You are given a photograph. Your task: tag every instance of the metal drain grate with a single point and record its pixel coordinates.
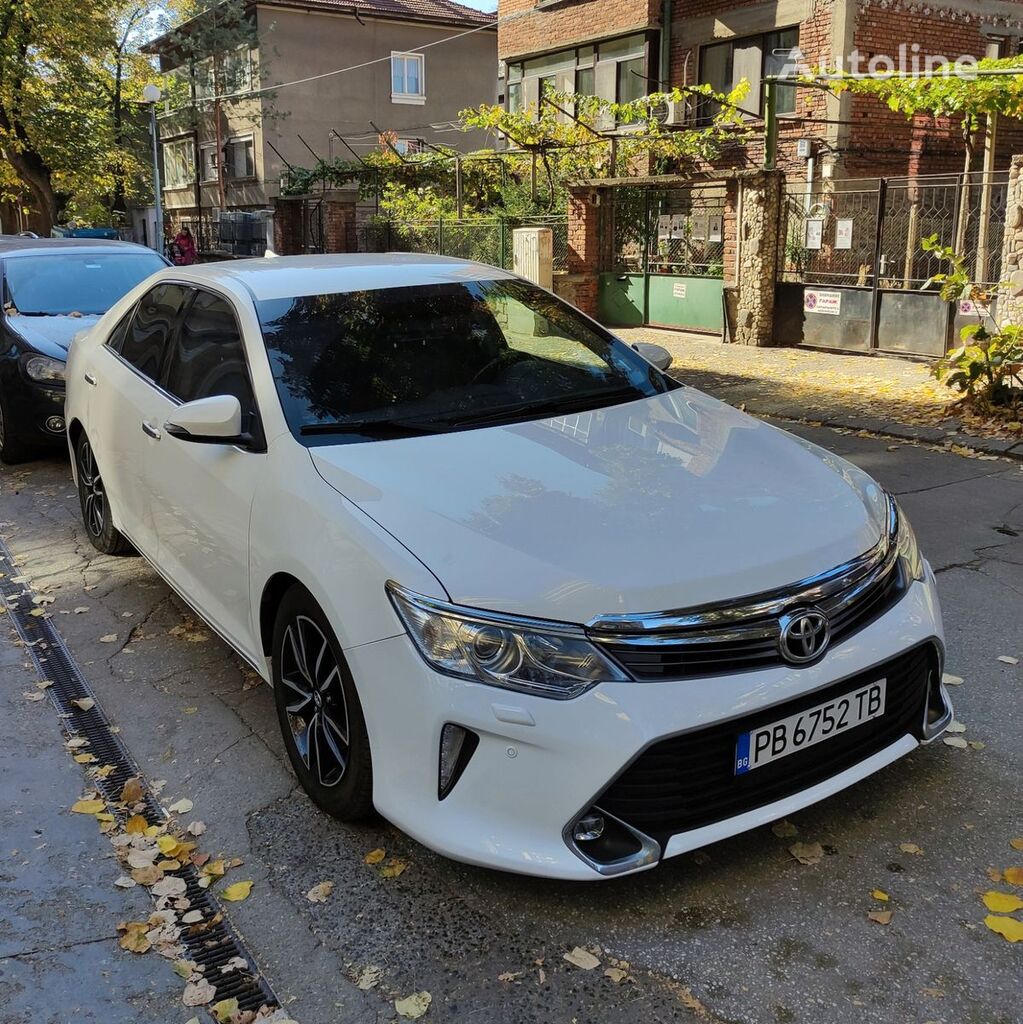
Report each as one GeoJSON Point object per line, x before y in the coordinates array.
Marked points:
{"type": "Point", "coordinates": [216, 945]}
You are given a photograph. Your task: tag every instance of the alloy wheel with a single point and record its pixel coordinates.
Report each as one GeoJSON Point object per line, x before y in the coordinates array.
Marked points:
{"type": "Point", "coordinates": [94, 499]}
{"type": "Point", "coordinates": [316, 706]}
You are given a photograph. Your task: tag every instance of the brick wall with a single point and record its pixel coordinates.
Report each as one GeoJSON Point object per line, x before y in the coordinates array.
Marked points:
{"type": "Point", "coordinates": [338, 225]}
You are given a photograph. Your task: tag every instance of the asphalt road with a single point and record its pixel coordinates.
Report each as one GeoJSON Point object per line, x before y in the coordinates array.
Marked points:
{"type": "Point", "coordinates": [738, 932]}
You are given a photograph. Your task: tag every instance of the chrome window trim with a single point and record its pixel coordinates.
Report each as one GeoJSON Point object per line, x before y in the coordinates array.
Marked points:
{"type": "Point", "coordinates": [832, 591]}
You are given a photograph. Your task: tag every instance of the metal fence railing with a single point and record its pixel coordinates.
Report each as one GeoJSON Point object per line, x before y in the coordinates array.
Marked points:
{"type": "Point", "coordinates": [836, 238]}
{"type": "Point", "coordinates": [484, 241]}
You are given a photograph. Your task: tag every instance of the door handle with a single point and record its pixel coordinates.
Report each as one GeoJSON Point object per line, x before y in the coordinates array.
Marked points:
{"type": "Point", "coordinates": [148, 428]}
{"type": "Point", "coordinates": [90, 379]}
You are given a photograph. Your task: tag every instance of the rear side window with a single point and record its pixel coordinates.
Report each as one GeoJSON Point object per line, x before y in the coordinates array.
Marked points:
{"type": "Point", "coordinates": [146, 339]}
{"type": "Point", "coordinates": [207, 356]}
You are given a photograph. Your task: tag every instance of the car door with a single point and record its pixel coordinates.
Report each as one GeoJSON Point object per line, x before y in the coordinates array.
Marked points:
{"type": "Point", "coordinates": [203, 492]}
{"type": "Point", "coordinates": [126, 404]}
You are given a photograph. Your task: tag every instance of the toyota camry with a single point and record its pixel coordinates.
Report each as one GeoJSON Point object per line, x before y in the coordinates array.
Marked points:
{"type": "Point", "coordinates": [538, 603]}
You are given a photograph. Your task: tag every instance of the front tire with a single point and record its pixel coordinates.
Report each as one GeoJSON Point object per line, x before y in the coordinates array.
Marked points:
{"type": "Point", "coordinates": [12, 448]}
{"type": "Point", "coordinates": [92, 497]}
{"type": "Point", "coordinates": [319, 711]}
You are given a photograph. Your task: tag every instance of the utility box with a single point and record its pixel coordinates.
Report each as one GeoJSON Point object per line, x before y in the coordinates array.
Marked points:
{"type": "Point", "coordinates": [533, 255]}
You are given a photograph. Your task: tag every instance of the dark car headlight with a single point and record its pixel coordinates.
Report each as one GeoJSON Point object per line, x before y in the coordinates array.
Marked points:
{"type": "Point", "coordinates": [44, 370]}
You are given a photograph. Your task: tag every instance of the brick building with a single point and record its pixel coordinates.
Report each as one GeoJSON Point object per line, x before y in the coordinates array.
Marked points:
{"type": "Point", "coordinates": [620, 49]}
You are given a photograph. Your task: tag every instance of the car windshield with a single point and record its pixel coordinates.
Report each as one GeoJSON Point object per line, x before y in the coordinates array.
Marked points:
{"type": "Point", "coordinates": [59, 283]}
{"type": "Point", "coordinates": [396, 362]}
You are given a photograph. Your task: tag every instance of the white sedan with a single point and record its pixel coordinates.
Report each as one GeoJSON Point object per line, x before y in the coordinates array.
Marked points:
{"type": "Point", "coordinates": [539, 604]}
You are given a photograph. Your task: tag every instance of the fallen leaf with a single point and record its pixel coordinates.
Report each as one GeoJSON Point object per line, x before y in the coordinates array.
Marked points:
{"type": "Point", "coordinates": [85, 758]}
{"type": "Point", "coordinates": [393, 868]}
{"type": "Point", "coordinates": [880, 916]}
{"type": "Point", "coordinates": [784, 830]}
{"type": "Point", "coordinates": [34, 695]}
{"type": "Point", "coordinates": [190, 711]}
{"type": "Point", "coordinates": [111, 638]}
{"type": "Point", "coordinates": [105, 770]}
{"type": "Point", "coordinates": [369, 977]}
{"type": "Point", "coordinates": [950, 680]}
{"type": "Point", "coordinates": [236, 963]}
{"type": "Point", "coordinates": [136, 825]}
{"type": "Point", "coordinates": [184, 968]}
{"type": "Point", "coordinates": [125, 882]}
{"type": "Point", "coordinates": [1002, 902]}
{"type": "Point", "coordinates": [81, 609]}
{"type": "Point", "coordinates": [956, 727]}
{"type": "Point", "coordinates": [414, 1006]}
{"type": "Point", "coordinates": [198, 993]}
{"type": "Point", "coordinates": [616, 974]}
{"type": "Point", "coordinates": [149, 874]}
{"type": "Point", "coordinates": [135, 939]}
{"type": "Point", "coordinates": [1005, 659]}
{"type": "Point", "coordinates": [214, 869]}
{"type": "Point", "coordinates": [169, 885]}
{"type": "Point", "coordinates": [510, 975]}
{"type": "Point", "coordinates": [319, 893]}
{"type": "Point", "coordinates": [84, 703]}
{"type": "Point", "coordinates": [88, 806]}
{"type": "Point", "coordinates": [192, 917]}
{"type": "Point", "coordinates": [224, 1009]}
{"type": "Point", "coordinates": [44, 684]}
{"type": "Point", "coordinates": [237, 892]}
{"type": "Point", "coordinates": [131, 791]}
{"type": "Point", "coordinates": [183, 806]}
{"type": "Point", "coordinates": [995, 875]}
{"type": "Point", "coordinates": [1014, 876]}
{"type": "Point", "coordinates": [1016, 844]}
{"type": "Point", "coordinates": [196, 828]}
{"type": "Point", "coordinates": [807, 853]}
{"type": "Point", "coordinates": [583, 958]}
{"type": "Point", "coordinates": [375, 856]}
{"type": "Point", "coordinates": [880, 894]}
{"type": "Point", "coordinates": [76, 743]}
{"type": "Point", "coordinates": [955, 741]}
{"type": "Point", "coordinates": [911, 848]}
{"type": "Point", "coordinates": [1008, 927]}
{"type": "Point", "coordinates": [975, 745]}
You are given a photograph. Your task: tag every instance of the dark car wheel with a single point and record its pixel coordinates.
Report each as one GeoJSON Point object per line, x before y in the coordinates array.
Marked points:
{"type": "Point", "coordinates": [319, 711]}
{"type": "Point", "coordinates": [92, 497]}
{"type": "Point", "coordinates": [12, 448]}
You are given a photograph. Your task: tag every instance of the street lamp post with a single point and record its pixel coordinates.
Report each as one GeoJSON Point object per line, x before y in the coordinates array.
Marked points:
{"type": "Point", "coordinates": [151, 95]}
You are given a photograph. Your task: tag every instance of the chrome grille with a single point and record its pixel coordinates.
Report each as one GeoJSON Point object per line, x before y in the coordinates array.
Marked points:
{"type": "Point", "coordinates": [744, 635]}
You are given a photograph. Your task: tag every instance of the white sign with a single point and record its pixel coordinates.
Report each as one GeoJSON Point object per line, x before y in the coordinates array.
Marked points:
{"type": "Point", "coordinates": [678, 290]}
{"type": "Point", "coordinates": [967, 307]}
{"type": "Point", "coordinates": [815, 301]}
{"type": "Point", "coordinates": [715, 229]}
{"type": "Point", "coordinates": [843, 234]}
{"type": "Point", "coordinates": [814, 233]}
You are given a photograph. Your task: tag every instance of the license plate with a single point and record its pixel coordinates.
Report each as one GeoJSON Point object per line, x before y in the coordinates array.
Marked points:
{"type": "Point", "coordinates": [797, 732]}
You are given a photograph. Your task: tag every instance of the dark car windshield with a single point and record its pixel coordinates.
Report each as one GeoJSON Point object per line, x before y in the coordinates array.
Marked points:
{"type": "Point", "coordinates": [397, 362]}
{"type": "Point", "coordinates": [59, 283]}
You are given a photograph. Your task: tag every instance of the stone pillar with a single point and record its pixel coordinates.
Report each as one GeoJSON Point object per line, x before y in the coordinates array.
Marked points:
{"type": "Point", "coordinates": [1010, 304]}
{"type": "Point", "coordinates": [339, 225]}
{"type": "Point", "coordinates": [751, 298]}
{"type": "Point", "coordinates": [287, 226]}
{"type": "Point", "coordinates": [585, 249]}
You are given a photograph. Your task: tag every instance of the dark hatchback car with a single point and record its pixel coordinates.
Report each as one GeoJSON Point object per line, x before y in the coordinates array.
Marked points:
{"type": "Point", "coordinates": [53, 288]}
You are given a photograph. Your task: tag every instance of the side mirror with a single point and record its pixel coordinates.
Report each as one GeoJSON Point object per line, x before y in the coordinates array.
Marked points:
{"type": "Point", "coordinates": [215, 420]}
{"type": "Point", "coordinates": [656, 354]}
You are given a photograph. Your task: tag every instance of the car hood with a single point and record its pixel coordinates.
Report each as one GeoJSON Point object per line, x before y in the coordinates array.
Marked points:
{"type": "Point", "coordinates": [664, 503]}
{"type": "Point", "coordinates": [51, 335]}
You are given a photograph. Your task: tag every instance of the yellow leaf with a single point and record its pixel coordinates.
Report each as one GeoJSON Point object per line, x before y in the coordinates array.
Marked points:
{"type": "Point", "coordinates": [1014, 876]}
{"type": "Point", "coordinates": [319, 892]}
{"type": "Point", "coordinates": [86, 758]}
{"type": "Point", "coordinates": [911, 848]}
{"type": "Point", "coordinates": [237, 892]}
{"type": "Point", "coordinates": [105, 770]}
{"type": "Point", "coordinates": [136, 825]}
{"type": "Point", "coordinates": [102, 816]}
{"type": "Point", "coordinates": [1002, 902]}
{"type": "Point", "coordinates": [184, 968]}
{"type": "Point", "coordinates": [393, 868]}
{"type": "Point", "coordinates": [166, 843]}
{"type": "Point", "coordinates": [88, 806]}
{"type": "Point", "coordinates": [215, 869]}
{"type": "Point", "coordinates": [224, 1009]}
{"type": "Point", "coordinates": [1016, 844]}
{"type": "Point", "coordinates": [134, 937]}
{"type": "Point", "coordinates": [375, 856]}
{"type": "Point", "coordinates": [131, 791]}
{"type": "Point", "coordinates": [414, 1006]}
{"type": "Point", "coordinates": [879, 894]}
{"type": "Point", "coordinates": [1008, 927]}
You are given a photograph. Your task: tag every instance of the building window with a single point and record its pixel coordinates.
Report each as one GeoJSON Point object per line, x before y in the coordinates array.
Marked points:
{"type": "Point", "coordinates": [237, 70]}
{"type": "Point", "coordinates": [178, 163]}
{"type": "Point", "coordinates": [724, 65]}
{"type": "Point", "coordinates": [631, 80]}
{"type": "Point", "coordinates": [409, 147]}
{"type": "Point", "coordinates": [240, 158]}
{"type": "Point", "coordinates": [407, 82]}
{"type": "Point", "coordinates": [208, 162]}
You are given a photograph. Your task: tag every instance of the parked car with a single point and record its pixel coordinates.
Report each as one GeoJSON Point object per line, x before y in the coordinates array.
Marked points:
{"type": "Point", "coordinates": [544, 607]}
{"type": "Point", "coordinates": [52, 289]}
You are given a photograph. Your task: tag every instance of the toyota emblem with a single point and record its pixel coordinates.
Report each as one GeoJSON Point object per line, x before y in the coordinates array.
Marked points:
{"type": "Point", "coordinates": [804, 635]}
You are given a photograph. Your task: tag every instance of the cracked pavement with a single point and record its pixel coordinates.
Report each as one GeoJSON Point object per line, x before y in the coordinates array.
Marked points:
{"type": "Point", "coordinates": [739, 932]}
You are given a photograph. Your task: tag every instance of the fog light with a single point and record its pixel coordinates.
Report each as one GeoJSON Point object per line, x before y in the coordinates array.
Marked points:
{"type": "Point", "coordinates": [589, 827]}
{"type": "Point", "coordinates": [457, 745]}
{"type": "Point", "coordinates": [55, 424]}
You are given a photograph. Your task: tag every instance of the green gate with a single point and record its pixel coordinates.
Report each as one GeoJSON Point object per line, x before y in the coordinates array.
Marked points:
{"type": "Point", "coordinates": [667, 259]}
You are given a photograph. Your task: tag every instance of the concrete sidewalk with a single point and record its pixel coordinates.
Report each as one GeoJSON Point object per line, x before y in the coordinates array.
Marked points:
{"type": "Point", "coordinates": [891, 397]}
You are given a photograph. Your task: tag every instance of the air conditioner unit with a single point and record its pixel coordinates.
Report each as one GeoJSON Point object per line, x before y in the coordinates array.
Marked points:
{"type": "Point", "coordinates": [677, 113]}
{"type": "Point", "coordinates": [533, 255]}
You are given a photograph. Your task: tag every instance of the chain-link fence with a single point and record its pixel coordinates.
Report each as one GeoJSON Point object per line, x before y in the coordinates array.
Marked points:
{"type": "Point", "coordinates": [484, 241]}
{"type": "Point", "coordinates": [837, 238]}
{"type": "Point", "coordinates": [679, 231]}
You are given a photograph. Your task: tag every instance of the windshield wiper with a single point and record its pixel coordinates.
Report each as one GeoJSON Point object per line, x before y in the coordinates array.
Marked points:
{"type": "Point", "coordinates": [373, 428]}
{"type": "Point", "coordinates": [551, 408]}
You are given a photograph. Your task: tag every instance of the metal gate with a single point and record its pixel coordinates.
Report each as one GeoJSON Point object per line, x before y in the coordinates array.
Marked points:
{"type": "Point", "coordinates": [312, 225]}
{"type": "Point", "coordinates": [828, 294]}
{"type": "Point", "coordinates": [667, 258]}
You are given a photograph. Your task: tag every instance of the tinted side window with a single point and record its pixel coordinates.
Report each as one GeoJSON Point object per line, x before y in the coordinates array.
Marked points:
{"type": "Point", "coordinates": [155, 317]}
{"type": "Point", "coordinates": [208, 357]}
{"type": "Point", "coordinates": [117, 335]}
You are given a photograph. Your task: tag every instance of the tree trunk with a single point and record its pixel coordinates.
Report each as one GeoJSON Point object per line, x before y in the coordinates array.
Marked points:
{"type": "Point", "coordinates": [36, 176]}
{"type": "Point", "coordinates": [964, 196]}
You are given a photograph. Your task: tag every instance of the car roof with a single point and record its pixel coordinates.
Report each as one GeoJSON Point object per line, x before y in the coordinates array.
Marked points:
{"type": "Point", "coordinates": [277, 277]}
{"type": "Point", "coordinates": [17, 245]}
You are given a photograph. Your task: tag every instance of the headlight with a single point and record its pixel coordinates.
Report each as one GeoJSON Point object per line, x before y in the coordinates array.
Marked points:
{"type": "Point", "coordinates": [548, 659]}
{"type": "Point", "coordinates": [909, 551]}
{"type": "Point", "coordinates": [45, 370]}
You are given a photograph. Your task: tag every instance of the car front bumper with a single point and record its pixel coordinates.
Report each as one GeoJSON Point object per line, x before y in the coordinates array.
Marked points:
{"type": "Point", "coordinates": [33, 411]}
{"type": "Point", "coordinates": [541, 763]}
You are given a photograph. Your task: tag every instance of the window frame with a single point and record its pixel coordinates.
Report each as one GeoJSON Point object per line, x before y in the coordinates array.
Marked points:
{"type": "Point", "coordinates": [172, 145]}
{"type": "Point", "coordinates": [416, 98]}
{"type": "Point", "coordinates": [233, 140]}
{"type": "Point", "coordinates": [204, 148]}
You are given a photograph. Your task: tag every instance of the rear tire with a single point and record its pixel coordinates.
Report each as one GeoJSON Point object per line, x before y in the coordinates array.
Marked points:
{"type": "Point", "coordinates": [12, 449]}
{"type": "Point", "coordinates": [92, 497]}
{"type": "Point", "coordinates": [318, 709]}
